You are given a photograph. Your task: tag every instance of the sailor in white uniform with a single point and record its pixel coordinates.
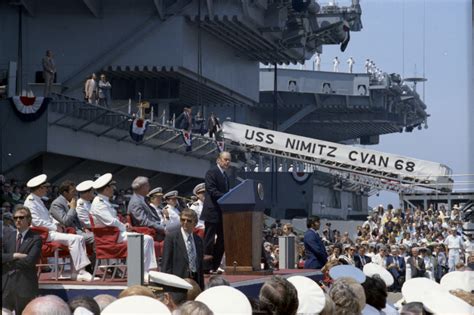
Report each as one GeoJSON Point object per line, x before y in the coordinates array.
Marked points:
{"type": "Point", "coordinates": [86, 195]}
{"type": "Point", "coordinates": [335, 63]}
{"type": "Point", "coordinates": [171, 211]}
{"type": "Point", "coordinates": [41, 217]}
{"type": "Point", "coordinates": [104, 214]}
{"type": "Point", "coordinates": [199, 191]}
{"type": "Point", "coordinates": [351, 63]}
{"type": "Point", "coordinates": [317, 62]}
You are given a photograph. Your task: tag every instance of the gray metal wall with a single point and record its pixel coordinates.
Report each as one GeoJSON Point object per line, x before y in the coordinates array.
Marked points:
{"type": "Point", "coordinates": [132, 35]}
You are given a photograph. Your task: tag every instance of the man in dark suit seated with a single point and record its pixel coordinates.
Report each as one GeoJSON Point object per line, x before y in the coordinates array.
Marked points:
{"type": "Point", "coordinates": [217, 184]}
{"type": "Point", "coordinates": [141, 214]}
{"type": "Point", "coordinates": [396, 266]}
{"type": "Point", "coordinates": [416, 263]}
{"type": "Point", "coordinates": [316, 255]}
{"type": "Point", "coordinates": [21, 250]}
{"type": "Point", "coordinates": [183, 250]}
{"type": "Point", "coordinates": [361, 259]}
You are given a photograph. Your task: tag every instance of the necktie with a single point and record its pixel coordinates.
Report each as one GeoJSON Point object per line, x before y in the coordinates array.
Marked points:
{"type": "Point", "coordinates": [18, 242]}
{"type": "Point", "coordinates": [191, 254]}
{"type": "Point", "coordinates": [226, 181]}
{"type": "Point", "coordinates": [363, 260]}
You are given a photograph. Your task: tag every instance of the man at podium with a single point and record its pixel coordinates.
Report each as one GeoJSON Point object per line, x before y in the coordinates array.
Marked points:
{"type": "Point", "coordinates": [217, 184]}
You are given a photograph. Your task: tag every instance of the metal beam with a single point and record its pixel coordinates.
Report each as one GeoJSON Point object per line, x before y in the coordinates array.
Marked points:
{"type": "Point", "coordinates": [160, 8]}
{"type": "Point", "coordinates": [95, 6]}
{"type": "Point", "coordinates": [296, 117]}
{"type": "Point", "coordinates": [210, 7]}
{"type": "Point", "coordinates": [91, 120]}
{"type": "Point", "coordinates": [112, 127]}
{"type": "Point", "coordinates": [167, 141]}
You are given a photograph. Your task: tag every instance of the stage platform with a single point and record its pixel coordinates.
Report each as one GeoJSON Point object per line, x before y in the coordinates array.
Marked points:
{"type": "Point", "coordinates": [249, 285]}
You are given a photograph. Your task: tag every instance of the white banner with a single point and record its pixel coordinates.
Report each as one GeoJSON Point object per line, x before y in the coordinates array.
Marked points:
{"type": "Point", "coordinates": [330, 151]}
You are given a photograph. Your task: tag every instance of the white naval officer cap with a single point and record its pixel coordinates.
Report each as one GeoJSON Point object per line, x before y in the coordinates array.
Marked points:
{"type": "Point", "coordinates": [199, 188]}
{"type": "Point", "coordinates": [37, 181]}
{"type": "Point", "coordinates": [158, 191]}
{"type": "Point", "coordinates": [136, 304]}
{"type": "Point", "coordinates": [311, 298]}
{"type": "Point", "coordinates": [372, 269]}
{"type": "Point", "coordinates": [225, 300]}
{"type": "Point", "coordinates": [347, 271]}
{"type": "Point", "coordinates": [171, 194]}
{"type": "Point", "coordinates": [85, 186]}
{"type": "Point", "coordinates": [167, 282]}
{"type": "Point", "coordinates": [103, 181]}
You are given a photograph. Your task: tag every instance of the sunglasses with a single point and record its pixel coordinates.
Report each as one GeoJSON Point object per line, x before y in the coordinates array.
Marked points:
{"type": "Point", "coordinates": [20, 217]}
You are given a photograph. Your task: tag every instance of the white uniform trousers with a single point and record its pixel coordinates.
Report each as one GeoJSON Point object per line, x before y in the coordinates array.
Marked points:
{"type": "Point", "coordinates": [76, 245]}
{"type": "Point", "coordinates": [148, 251]}
{"type": "Point", "coordinates": [453, 258]}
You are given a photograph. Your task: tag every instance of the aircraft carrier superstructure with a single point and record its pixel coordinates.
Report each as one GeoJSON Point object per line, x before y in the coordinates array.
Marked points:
{"type": "Point", "coordinates": [200, 54]}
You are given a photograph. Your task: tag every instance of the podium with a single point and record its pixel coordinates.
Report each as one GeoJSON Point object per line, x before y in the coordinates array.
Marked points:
{"type": "Point", "coordinates": [242, 215]}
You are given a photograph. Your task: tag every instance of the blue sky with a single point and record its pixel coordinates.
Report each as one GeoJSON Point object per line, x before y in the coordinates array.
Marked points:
{"type": "Point", "coordinates": [393, 36]}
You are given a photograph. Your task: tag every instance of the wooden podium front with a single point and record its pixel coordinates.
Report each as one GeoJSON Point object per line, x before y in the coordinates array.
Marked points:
{"type": "Point", "coordinates": [242, 214]}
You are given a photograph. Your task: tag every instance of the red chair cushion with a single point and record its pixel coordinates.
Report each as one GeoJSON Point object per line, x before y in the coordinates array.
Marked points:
{"type": "Point", "coordinates": [106, 245]}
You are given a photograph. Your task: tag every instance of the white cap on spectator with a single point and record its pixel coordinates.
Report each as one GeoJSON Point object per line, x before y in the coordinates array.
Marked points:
{"type": "Point", "coordinates": [225, 300]}
{"type": "Point", "coordinates": [311, 298]}
{"type": "Point", "coordinates": [462, 280]}
{"type": "Point", "coordinates": [82, 311]}
{"type": "Point", "coordinates": [37, 181]}
{"type": "Point", "coordinates": [168, 282]}
{"type": "Point", "coordinates": [85, 186]}
{"type": "Point", "coordinates": [136, 304]}
{"type": "Point", "coordinates": [415, 289]}
{"type": "Point", "coordinates": [199, 188]}
{"type": "Point", "coordinates": [372, 269]}
{"type": "Point", "coordinates": [102, 181]}
{"type": "Point", "coordinates": [349, 271]}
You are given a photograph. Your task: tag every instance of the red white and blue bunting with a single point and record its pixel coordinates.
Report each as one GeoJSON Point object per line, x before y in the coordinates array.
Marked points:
{"type": "Point", "coordinates": [188, 139]}
{"type": "Point", "coordinates": [300, 177]}
{"type": "Point", "coordinates": [29, 108]}
{"type": "Point", "coordinates": [138, 129]}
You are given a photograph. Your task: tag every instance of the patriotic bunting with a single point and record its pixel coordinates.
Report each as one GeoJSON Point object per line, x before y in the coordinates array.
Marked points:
{"type": "Point", "coordinates": [29, 108]}
{"type": "Point", "coordinates": [138, 129]}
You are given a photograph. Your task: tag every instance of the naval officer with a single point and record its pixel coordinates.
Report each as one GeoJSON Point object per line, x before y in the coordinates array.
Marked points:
{"type": "Point", "coordinates": [86, 195]}
{"type": "Point", "coordinates": [41, 217]}
{"type": "Point", "coordinates": [171, 211]}
{"type": "Point", "coordinates": [199, 191]}
{"type": "Point", "coordinates": [104, 214]}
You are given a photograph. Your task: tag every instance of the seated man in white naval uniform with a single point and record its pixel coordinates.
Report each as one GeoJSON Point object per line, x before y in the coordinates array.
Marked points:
{"type": "Point", "coordinates": [199, 191]}
{"type": "Point", "coordinates": [171, 212]}
{"type": "Point", "coordinates": [104, 214]}
{"type": "Point", "coordinates": [42, 218]}
{"type": "Point", "coordinates": [86, 195]}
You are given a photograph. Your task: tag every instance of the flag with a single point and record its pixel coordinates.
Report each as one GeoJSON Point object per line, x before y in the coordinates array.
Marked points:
{"type": "Point", "coordinates": [29, 108]}
{"type": "Point", "coordinates": [188, 139]}
{"type": "Point", "coordinates": [138, 129]}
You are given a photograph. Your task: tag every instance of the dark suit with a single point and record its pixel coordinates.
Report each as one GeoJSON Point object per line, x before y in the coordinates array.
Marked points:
{"type": "Point", "coordinates": [397, 273]}
{"type": "Point", "coordinates": [19, 279]}
{"type": "Point", "coordinates": [417, 267]}
{"type": "Point", "coordinates": [316, 255]}
{"type": "Point", "coordinates": [216, 186]}
{"type": "Point", "coordinates": [360, 263]}
{"type": "Point", "coordinates": [175, 257]}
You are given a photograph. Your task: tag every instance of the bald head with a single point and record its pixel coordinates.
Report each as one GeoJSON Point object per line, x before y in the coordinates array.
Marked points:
{"type": "Point", "coordinates": [47, 305]}
{"type": "Point", "coordinates": [103, 300]}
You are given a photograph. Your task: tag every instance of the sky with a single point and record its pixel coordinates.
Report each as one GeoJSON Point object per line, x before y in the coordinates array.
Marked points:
{"type": "Point", "coordinates": [430, 38]}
